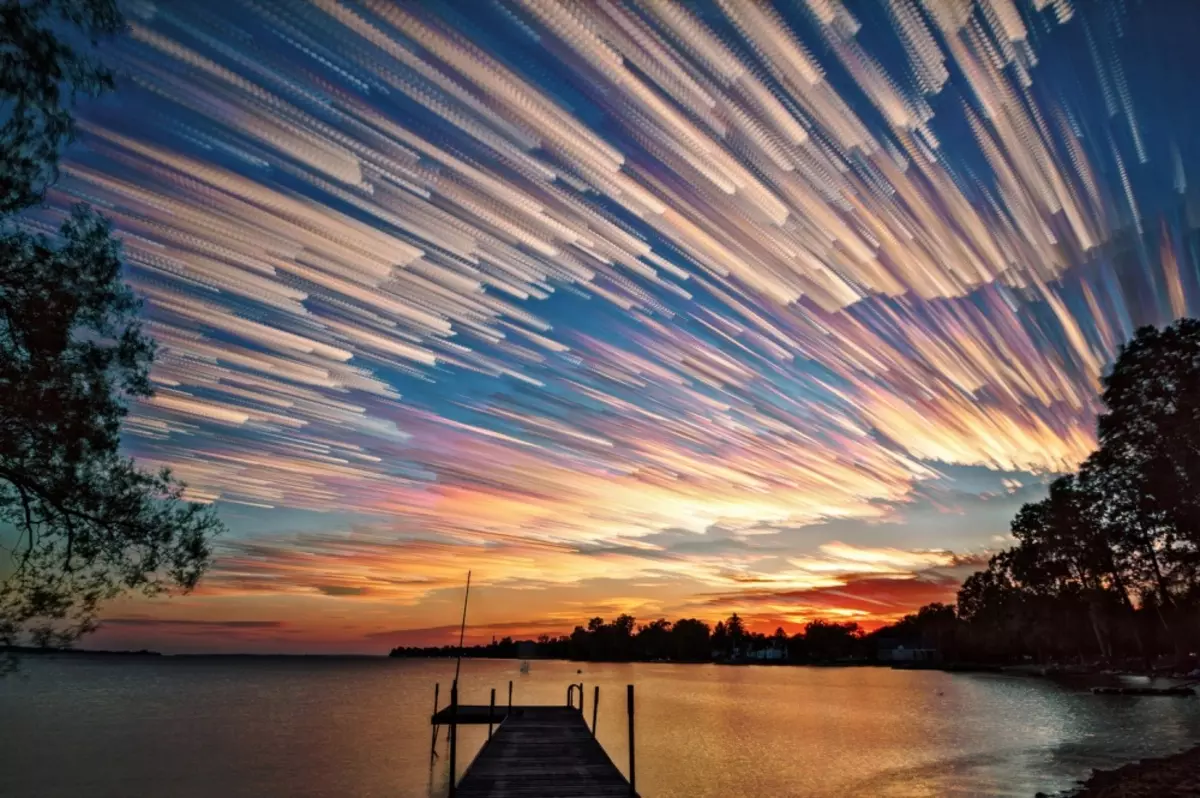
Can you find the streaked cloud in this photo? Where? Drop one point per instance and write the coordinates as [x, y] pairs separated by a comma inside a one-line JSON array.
[[552, 291], [180, 623]]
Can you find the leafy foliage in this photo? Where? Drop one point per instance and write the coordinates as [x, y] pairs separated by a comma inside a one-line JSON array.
[[41, 71], [84, 523], [89, 523], [1106, 565]]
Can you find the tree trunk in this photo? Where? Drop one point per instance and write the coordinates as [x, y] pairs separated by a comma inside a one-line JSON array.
[[1092, 587], [1119, 583], [1101, 636], [1160, 583]]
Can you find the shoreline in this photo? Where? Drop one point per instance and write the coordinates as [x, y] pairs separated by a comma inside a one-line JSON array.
[[1174, 776]]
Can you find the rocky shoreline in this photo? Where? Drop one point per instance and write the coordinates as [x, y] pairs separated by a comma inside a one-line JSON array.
[[1175, 776]]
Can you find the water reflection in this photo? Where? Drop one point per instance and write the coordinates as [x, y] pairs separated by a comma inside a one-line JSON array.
[[359, 727]]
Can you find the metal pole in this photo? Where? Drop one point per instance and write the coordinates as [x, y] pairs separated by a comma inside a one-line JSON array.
[[433, 741], [595, 706], [462, 629], [632, 772], [491, 712], [454, 735], [510, 694]]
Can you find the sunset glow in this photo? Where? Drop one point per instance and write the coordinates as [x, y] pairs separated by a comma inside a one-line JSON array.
[[660, 308]]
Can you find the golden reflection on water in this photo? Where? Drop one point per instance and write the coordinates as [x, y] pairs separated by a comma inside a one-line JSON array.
[[268, 728]]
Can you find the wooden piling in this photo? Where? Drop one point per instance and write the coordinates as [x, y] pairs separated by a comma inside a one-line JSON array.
[[454, 732], [510, 693], [629, 709], [433, 742], [491, 712], [595, 706]]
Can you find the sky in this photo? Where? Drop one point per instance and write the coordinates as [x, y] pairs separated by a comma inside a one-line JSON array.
[[668, 309]]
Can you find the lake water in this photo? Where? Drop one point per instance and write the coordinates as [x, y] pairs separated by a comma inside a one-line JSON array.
[[275, 727]]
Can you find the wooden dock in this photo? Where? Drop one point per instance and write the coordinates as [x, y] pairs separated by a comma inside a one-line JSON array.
[[543, 751], [535, 752]]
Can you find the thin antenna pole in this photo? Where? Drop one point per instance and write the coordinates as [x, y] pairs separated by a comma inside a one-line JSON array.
[[462, 629]]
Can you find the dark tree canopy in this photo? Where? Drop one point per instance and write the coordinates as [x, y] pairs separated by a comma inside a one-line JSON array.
[[79, 522], [1106, 565], [89, 523], [44, 63], [1151, 431]]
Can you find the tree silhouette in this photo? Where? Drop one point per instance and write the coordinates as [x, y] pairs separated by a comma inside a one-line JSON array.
[[43, 56], [736, 630], [654, 640], [690, 640], [89, 525], [1106, 565], [828, 641], [720, 639]]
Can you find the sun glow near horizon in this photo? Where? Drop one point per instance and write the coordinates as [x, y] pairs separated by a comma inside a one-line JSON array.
[[709, 308]]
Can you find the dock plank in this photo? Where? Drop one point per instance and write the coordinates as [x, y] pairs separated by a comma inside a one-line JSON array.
[[472, 714], [539, 752]]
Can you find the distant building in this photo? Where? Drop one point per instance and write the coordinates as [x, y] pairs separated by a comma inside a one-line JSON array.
[[738, 655], [893, 651], [768, 655]]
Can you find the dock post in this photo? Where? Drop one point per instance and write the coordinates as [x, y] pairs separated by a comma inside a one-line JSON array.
[[433, 742], [510, 695], [595, 706], [629, 708], [454, 733], [491, 712]]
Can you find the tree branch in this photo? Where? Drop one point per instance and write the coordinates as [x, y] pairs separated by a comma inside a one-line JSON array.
[[28, 526]]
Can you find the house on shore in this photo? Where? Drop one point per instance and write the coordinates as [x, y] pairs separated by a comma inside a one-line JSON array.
[[771, 654], [901, 651]]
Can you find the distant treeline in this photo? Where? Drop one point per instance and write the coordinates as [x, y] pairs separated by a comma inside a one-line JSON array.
[[685, 640], [49, 650], [1106, 568]]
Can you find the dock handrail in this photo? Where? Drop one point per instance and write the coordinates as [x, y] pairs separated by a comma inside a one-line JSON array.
[[515, 724], [571, 695]]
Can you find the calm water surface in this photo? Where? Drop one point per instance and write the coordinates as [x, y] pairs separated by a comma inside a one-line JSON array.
[[272, 728]]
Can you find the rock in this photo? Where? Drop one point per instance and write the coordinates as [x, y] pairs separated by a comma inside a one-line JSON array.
[[1168, 777]]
